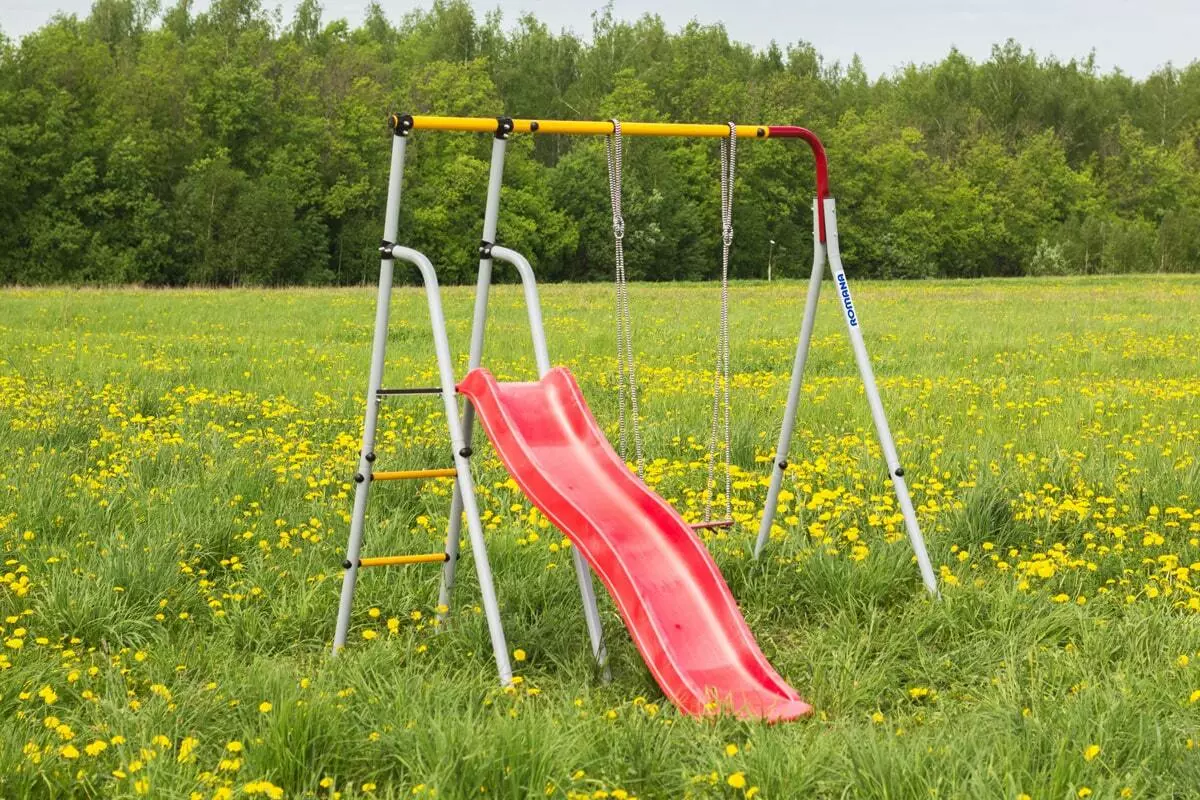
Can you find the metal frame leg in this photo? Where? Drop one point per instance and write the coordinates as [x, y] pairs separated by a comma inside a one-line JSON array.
[[779, 464], [378, 347], [475, 357], [895, 471]]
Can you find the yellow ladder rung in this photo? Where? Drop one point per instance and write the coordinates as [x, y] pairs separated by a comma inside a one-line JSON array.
[[396, 561], [414, 474]]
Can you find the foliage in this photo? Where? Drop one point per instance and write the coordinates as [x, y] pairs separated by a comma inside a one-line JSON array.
[[164, 146]]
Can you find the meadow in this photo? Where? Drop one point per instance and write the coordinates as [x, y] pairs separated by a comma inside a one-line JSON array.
[[175, 491]]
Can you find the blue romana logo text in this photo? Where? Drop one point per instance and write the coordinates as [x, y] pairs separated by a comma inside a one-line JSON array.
[[846, 301]]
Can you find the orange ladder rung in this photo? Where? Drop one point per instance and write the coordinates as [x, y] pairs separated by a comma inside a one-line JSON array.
[[397, 561], [414, 474]]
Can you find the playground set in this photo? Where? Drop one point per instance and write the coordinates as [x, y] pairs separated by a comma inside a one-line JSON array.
[[666, 586]]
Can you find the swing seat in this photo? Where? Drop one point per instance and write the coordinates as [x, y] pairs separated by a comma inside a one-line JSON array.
[[716, 523]]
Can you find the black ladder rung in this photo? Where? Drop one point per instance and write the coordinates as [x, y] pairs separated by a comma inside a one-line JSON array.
[[411, 390]]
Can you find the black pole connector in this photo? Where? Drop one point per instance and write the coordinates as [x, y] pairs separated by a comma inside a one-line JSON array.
[[899, 473], [359, 477], [466, 452], [760, 132], [485, 249], [385, 249], [347, 564], [401, 124], [534, 125], [370, 458], [783, 465], [504, 127]]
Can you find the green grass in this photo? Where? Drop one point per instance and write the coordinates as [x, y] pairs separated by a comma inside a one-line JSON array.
[[174, 498]]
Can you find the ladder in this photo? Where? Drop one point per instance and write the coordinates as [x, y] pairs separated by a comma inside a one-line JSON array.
[[464, 503]]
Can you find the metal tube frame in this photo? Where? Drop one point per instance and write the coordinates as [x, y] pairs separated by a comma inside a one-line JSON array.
[[461, 428]]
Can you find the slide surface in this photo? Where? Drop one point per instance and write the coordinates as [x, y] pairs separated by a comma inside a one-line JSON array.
[[676, 605]]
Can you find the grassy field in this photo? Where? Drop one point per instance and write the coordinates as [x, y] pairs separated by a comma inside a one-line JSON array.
[[175, 497]]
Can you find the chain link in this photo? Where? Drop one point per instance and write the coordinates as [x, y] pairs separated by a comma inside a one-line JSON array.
[[626, 370], [721, 372]]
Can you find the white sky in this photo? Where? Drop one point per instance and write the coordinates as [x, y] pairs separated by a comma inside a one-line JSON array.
[[1137, 37]]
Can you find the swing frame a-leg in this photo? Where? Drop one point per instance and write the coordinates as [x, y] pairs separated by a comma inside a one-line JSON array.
[[826, 250]]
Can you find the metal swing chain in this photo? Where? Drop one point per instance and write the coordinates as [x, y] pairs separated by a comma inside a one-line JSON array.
[[721, 373], [626, 372]]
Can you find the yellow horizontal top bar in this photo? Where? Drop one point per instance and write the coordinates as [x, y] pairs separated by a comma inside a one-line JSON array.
[[414, 474], [396, 561], [584, 128]]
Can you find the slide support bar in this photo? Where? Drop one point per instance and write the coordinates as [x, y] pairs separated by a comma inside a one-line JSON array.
[[583, 573]]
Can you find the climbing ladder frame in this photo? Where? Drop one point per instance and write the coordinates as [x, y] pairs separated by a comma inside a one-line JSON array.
[[461, 427]]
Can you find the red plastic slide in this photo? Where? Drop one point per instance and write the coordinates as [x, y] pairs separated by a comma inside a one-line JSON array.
[[675, 603]]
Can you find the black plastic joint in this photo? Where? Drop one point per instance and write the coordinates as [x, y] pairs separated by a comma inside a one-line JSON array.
[[347, 564], [783, 465], [504, 127], [359, 477], [899, 473], [385, 249], [534, 126], [466, 452], [370, 458], [760, 133], [401, 124], [485, 249]]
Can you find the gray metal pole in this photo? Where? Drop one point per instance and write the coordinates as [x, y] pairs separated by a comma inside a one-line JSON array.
[[583, 573], [462, 462], [379, 345], [491, 216], [779, 465], [895, 471]]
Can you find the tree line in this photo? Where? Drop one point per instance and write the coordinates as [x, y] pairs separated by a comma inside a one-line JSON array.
[[149, 144]]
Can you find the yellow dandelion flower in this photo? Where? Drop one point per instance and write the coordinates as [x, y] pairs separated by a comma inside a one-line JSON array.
[[737, 780], [186, 748], [1091, 751], [264, 707]]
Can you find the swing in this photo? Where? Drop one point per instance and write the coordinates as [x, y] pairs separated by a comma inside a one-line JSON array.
[[626, 370]]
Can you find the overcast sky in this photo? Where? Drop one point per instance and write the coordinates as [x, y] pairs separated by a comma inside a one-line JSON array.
[[1135, 36]]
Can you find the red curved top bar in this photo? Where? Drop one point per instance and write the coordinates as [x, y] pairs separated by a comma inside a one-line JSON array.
[[796, 132]]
